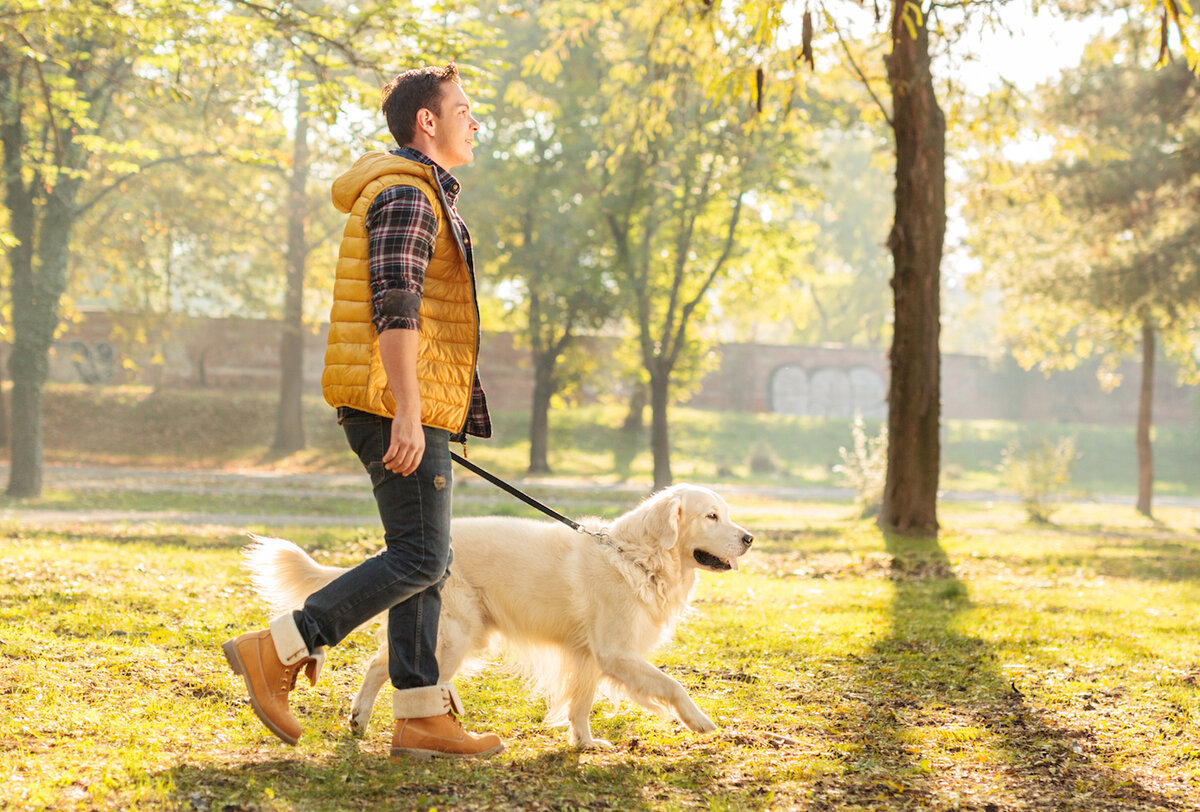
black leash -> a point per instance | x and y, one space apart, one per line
600 536
517 492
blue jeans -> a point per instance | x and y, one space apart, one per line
406 579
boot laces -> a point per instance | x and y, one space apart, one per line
287 678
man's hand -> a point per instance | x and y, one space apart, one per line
406 448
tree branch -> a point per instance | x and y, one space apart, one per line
854 64
119 181
60 149
734 217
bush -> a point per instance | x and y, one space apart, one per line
1038 470
865 467
762 460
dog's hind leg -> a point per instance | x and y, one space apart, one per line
453 645
374 679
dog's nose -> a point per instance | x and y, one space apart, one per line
747 540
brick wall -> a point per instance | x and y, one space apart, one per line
104 348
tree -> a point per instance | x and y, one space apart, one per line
916 241
533 206
66 75
1096 246
684 173
917 237
90 101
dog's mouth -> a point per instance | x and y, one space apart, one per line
712 562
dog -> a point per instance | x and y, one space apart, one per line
577 611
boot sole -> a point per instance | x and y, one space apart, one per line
235 662
404 752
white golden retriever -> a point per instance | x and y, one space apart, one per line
576 612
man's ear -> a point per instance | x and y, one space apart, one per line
426 121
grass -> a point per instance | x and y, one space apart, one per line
1004 666
200 429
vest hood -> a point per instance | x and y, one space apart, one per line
348 186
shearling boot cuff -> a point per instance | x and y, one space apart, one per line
427 701
289 644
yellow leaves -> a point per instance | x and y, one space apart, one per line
912 17
1179 13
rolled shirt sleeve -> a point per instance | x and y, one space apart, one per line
402 231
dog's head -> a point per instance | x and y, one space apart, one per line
696 520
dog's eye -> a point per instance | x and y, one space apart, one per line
712 516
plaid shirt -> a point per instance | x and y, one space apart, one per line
401 232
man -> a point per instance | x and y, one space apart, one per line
400 369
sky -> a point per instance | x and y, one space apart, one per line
1037 48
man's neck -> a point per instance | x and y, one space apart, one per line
430 152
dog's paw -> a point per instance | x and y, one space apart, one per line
595 744
699 723
357 728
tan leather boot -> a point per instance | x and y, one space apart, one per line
427 725
269 677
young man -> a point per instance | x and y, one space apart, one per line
400 369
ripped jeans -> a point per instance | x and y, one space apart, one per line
406 579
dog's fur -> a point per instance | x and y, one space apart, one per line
577 613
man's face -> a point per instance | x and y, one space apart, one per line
455 130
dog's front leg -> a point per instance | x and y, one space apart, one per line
373 680
652 688
581 694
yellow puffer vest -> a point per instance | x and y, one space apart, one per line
449 319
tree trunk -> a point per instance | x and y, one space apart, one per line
1145 450
3 412
539 420
910 495
38 283
289 424
635 421
660 440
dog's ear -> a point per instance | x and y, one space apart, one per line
667 516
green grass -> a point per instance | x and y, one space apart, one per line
197 429
1005 666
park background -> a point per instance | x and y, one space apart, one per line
915 285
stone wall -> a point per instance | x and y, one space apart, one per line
102 348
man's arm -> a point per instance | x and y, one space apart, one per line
398 351
402 229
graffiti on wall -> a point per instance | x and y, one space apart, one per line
829 392
95 362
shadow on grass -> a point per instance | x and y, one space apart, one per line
942 727
351 779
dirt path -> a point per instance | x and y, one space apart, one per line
353 487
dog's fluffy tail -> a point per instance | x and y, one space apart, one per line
283 574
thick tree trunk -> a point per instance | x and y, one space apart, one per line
1145 451
289 424
3 411
539 420
635 420
916 239
38 283
660 439
25 471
